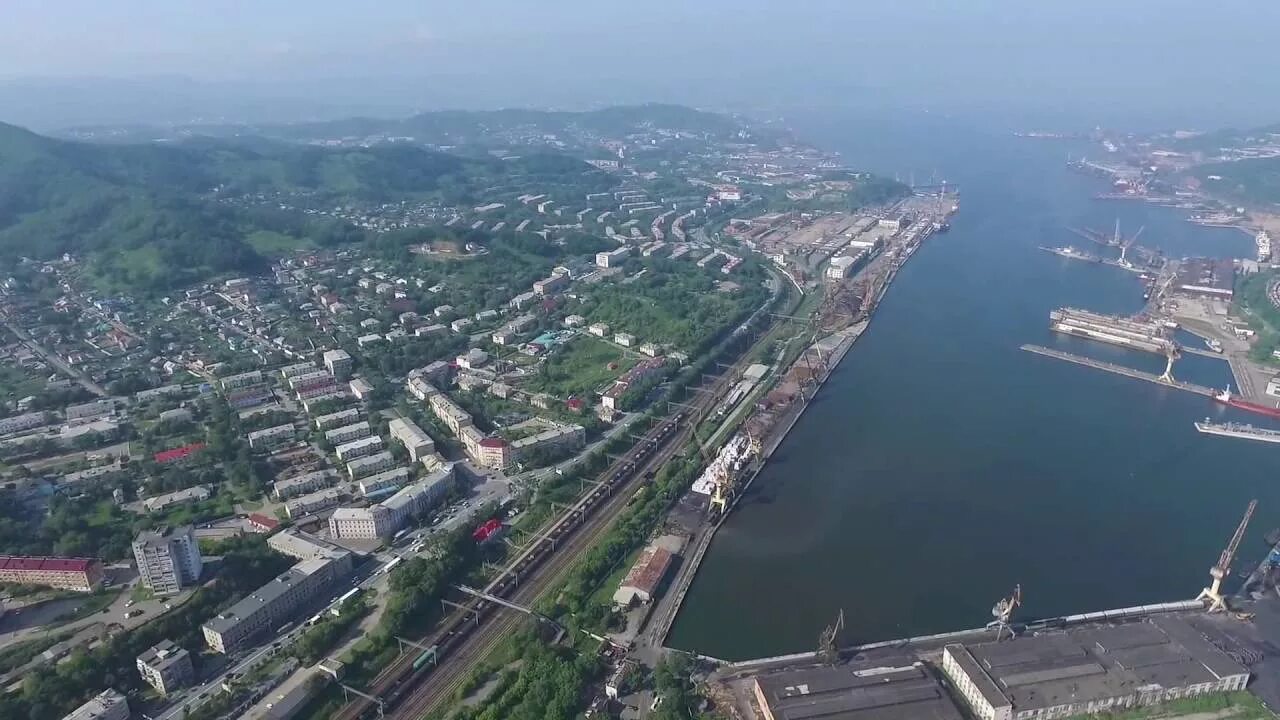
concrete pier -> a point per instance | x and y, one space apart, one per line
1121 370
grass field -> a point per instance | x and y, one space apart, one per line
267 242
580 368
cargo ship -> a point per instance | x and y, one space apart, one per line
1238 430
1070 252
1226 398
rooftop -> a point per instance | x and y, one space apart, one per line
849 693
1097 662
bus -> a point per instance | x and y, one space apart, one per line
336 609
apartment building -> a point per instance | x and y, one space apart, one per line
271 605
302 484
166 667
168 559
365 466
272 436
358 448
79 574
417 442
347 433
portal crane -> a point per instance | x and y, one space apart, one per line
1213 593
1003 611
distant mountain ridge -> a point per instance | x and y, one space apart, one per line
455 127
144 213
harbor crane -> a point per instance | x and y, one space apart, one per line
829 641
1213 593
1003 611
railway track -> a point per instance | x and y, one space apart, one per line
467 636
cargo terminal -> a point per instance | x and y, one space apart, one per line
906 692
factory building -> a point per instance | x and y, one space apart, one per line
168 559
271 605
417 442
79 574
166 667
1089 670
906 692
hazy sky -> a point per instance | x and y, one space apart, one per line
1192 59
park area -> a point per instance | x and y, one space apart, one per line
582 366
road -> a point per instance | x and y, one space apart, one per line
51 358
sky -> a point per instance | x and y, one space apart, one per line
1077 61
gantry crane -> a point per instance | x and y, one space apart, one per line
1003 611
1213 593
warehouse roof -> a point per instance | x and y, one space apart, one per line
846 693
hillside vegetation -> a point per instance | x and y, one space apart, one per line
148 216
1251 182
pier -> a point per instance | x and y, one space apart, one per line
1121 370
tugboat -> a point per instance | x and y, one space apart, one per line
1213 345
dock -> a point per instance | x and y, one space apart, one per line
1121 370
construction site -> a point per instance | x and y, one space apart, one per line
1215 645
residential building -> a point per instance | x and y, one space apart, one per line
347 433
244 379
574 321
490 452
271 605
420 388
302 484
417 442
472 359
338 363
598 329
523 300
90 411
368 523
369 340
1273 386
79 574
651 349
193 494
168 558
625 339
461 324
18 423
430 330
106 705
361 389
272 436
449 412
365 466
337 419
392 478
290 371
305 546
310 378
1090 669
312 503
166 667
555 435
612 258
550 285
358 448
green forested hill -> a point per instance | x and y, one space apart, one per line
146 216
1252 182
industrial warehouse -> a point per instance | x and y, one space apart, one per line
844 693
1090 670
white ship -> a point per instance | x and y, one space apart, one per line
1263 241
1238 430
1213 345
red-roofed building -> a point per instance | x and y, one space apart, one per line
262 524
487 531
81 574
645 577
178 453
492 453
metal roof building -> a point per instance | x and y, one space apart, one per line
1090 669
847 693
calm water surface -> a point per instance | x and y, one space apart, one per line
941 465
